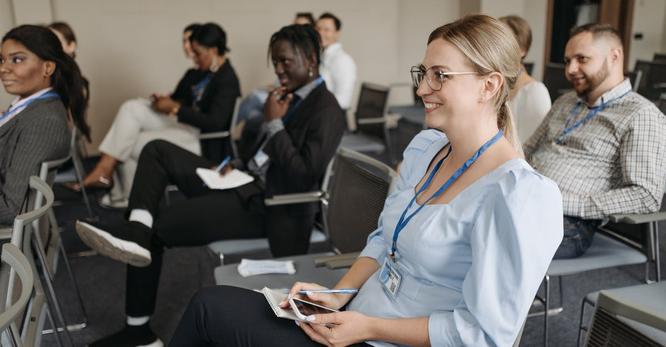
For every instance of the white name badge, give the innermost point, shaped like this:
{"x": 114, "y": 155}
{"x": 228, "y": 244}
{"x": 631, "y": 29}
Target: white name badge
{"x": 260, "y": 158}
{"x": 390, "y": 278}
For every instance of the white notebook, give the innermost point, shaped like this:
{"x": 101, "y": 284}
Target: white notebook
{"x": 233, "y": 179}
{"x": 274, "y": 297}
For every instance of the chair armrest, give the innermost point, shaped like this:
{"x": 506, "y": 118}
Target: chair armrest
{"x": 214, "y": 135}
{"x": 374, "y": 120}
{"x": 638, "y": 218}
{"x": 325, "y": 261}
{"x": 296, "y": 198}
{"x": 340, "y": 264}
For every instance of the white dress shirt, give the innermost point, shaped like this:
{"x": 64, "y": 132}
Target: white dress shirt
{"x": 339, "y": 72}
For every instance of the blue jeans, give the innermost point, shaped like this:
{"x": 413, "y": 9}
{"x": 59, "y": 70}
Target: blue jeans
{"x": 578, "y": 235}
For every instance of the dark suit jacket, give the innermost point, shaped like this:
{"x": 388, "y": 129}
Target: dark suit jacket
{"x": 38, "y": 133}
{"x": 215, "y": 109}
{"x": 183, "y": 91}
{"x": 298, "y": 156}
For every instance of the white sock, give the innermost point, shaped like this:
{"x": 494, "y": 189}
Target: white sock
{"x": 136, "y": 321}
{"x": 142, "y": 216}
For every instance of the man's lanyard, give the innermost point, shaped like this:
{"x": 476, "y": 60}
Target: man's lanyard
{"x": 20, "y": 106}
{"x": 292, "y": 109}
{"x": 594, "y": 111}
{"x": 404, "y": 219}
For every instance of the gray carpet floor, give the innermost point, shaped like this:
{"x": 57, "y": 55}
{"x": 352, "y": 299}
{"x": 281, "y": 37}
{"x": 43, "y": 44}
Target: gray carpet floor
{"x": 185, "y": 270}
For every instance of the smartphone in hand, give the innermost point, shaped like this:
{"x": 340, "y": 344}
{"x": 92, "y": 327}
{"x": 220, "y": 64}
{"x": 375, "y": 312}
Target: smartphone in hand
{"x": 303, "y": 308}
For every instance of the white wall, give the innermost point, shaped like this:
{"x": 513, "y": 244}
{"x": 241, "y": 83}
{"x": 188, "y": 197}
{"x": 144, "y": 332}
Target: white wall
{"x": 648, "y": 19}
{"x": 132, "y": 48}
{"x": 6, "y": 23}
{"x": 534, "y": 11}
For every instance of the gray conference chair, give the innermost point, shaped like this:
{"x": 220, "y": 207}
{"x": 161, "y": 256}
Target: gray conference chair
{"x": 371, "y": 134}
{"x": 77, "y": 173}
{"x": 609, "y": 249}
{"x": 52, "y": 252}
{"x": 631, "y": 316}
{"x": 16, "y": 271}
{"x": 653, "y": 79}
{"x": 24, "y": 228}
{"x": 555, "y": 80}
{"x": 359, "y": 188}
{"x": 231, "y": 250}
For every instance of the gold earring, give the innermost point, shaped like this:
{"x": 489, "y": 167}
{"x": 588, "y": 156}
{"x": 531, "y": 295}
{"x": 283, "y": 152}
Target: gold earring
{"x": 310, "y": 73}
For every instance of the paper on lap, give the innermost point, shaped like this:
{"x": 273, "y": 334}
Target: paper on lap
{"x": 274, "y": 297}
{"x": 233, "y": 179}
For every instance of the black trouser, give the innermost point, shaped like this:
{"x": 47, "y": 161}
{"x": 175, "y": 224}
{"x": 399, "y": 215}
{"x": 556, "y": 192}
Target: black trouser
{"x": 230, "y": 316}
{"x": 578, "y": 235}
{"x": 205, "y": 216}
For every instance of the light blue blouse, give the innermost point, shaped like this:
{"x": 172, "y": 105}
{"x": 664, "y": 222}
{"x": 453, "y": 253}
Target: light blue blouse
{"x": 473, "y": 266}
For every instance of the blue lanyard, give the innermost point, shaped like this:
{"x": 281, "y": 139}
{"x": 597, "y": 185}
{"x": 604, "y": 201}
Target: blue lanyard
{"x": 404, "y": 219}
{"x": 199, "y": 88}
{"x": 293, "y": 108}
{"x": 590, "y": 115}
{"x": 12, "y": 111}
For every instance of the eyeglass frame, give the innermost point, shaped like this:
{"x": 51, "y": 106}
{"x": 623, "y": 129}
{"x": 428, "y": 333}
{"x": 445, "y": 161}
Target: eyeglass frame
{"x": 420, "y": 69}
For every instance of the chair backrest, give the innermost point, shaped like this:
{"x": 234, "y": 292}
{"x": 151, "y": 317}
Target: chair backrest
{"x": 356, "y": 193}
{"x": 13, "y": 309}
{"x": 634, "y": 78}
{"x": 631, "y": 316}
{"x": 653, "y": 74}
{"x": 662, "y": 104}
{"x": 555, "y": 80}
{"x": 21, "y": 221}
{"x": 529, "y": 67}
{"x": 371, "y": 109}
{"x": 659, "y": 57}
{"x": 213, "y": 143}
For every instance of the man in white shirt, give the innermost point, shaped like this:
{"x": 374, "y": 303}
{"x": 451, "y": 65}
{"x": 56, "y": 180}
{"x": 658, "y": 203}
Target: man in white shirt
{"x": 337, "y": 67}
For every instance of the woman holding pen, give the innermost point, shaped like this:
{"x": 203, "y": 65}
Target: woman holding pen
{"x": 463, "y": 242}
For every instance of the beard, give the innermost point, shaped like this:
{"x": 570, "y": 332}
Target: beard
{"x": 593, "y": 81}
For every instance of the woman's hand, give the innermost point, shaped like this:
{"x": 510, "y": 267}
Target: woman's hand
{"x": 277, "y": 104}
{"x": 338, "y": 329}
{"x": 334, "y": 301}
{"x": 164, "y": 104}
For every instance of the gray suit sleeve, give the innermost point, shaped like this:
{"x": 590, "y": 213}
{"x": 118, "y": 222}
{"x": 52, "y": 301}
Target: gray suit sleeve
{"x": 47, "y": 138}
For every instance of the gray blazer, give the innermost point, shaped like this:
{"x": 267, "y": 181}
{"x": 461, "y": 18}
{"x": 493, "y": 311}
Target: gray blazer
{"x": 38, "y": 133}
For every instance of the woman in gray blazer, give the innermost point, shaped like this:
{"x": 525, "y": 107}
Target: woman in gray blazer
{"x": 48, "y": 87}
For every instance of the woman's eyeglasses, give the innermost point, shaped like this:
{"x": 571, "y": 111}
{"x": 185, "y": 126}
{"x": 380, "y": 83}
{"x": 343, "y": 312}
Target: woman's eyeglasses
{"x": 434, "y": 78}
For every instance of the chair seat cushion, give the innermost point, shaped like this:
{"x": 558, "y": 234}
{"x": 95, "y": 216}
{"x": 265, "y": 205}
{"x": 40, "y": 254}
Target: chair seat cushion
{"x": 362, "y": 143}
{"x": 605, "y": 252}
{"x": 249, "y": 245}
{"x": 305, "y": 272}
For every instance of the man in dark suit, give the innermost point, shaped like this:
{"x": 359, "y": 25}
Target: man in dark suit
{"x": 302, "y": 128}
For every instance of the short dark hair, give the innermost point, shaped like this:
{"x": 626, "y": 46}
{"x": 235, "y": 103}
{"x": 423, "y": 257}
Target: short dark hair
{"x": 306, "y": 15}
{"x": 66, "y": 80}
{"x": 598, "y": 30}
{"x": 302, "y": 37}
{"x": 191, "y": 27}
{"x": 336, "y": 20}
{"x": 211, "y": 35}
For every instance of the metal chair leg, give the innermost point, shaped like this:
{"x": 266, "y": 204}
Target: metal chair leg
{"x": 52, "y": 300}
{"x": 545, "y": 314}
{"x": 79, "y": 326}
{"x": 657, "y": 260}
{"x": 581, "y": 327}
{"x": 52, "y": 321}
{"x": 78, "y": 172}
